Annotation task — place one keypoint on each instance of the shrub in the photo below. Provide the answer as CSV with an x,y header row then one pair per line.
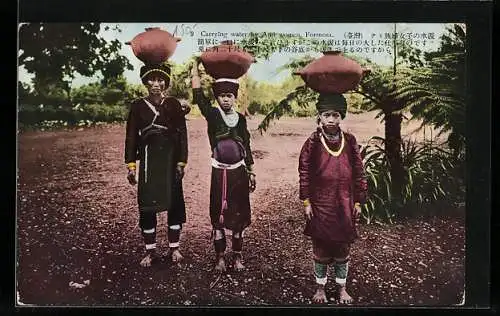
x,y
104,113
50,116
304,112
433,181
254,107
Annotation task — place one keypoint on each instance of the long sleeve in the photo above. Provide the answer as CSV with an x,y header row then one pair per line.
x,y
183,140
360,183
246,142
203,102
304,169
173,114
132,136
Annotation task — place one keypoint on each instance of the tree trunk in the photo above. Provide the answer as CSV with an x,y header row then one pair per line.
x,y
393,148
67,89
71,116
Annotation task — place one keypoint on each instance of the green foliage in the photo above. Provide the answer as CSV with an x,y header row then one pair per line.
x,y
180,83
46,93
432,88
243,100
93,102
181,80
51,116
264,95
355,103
33,115
56,52
108,113
88,94
302,96
117,91
440,90
433,181
303,111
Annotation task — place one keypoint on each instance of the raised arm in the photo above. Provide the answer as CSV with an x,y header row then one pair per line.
x,y
198,95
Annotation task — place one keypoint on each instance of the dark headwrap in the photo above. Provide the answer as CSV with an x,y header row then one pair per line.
x,y
162,70
224,85
331,101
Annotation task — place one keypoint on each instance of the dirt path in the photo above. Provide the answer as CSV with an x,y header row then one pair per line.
x,y
77,220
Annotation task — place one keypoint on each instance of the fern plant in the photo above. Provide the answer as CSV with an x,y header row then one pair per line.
x,y
432,180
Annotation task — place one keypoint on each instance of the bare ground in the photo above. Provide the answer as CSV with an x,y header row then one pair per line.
x,y
77,220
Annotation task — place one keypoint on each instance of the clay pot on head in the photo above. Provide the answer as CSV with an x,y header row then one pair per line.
x,y
226,61
332,73
154,46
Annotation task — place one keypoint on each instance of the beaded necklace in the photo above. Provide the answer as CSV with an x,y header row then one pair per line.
x,y
332,152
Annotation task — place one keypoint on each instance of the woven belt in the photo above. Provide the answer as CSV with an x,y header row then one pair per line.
x,y
221,165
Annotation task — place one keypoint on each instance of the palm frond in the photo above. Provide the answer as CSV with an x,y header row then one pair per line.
x,y
281,108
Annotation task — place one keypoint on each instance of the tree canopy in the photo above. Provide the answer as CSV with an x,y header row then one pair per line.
x,y
56,52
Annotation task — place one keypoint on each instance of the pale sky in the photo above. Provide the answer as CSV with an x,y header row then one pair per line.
x,y
265,70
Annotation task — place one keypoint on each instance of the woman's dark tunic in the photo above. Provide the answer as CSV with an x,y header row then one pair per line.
x,y
229,145
159,141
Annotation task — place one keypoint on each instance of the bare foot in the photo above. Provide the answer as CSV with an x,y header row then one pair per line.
x,y
176,256
221,265
148,260
238,264
344,297
320,296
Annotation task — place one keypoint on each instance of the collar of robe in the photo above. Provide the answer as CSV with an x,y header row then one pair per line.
x,y
333,152
152,107
231,118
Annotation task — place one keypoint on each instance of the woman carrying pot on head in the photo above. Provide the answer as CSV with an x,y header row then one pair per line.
x,y
232,175
156,135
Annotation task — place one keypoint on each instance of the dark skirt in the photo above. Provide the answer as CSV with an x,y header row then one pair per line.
x,y
326,252
237,216
158,188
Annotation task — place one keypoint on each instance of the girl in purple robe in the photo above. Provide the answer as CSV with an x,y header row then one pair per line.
x,y
332,188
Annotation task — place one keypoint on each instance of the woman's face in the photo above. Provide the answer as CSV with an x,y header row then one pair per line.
x,y
156,84
226,101
330,121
